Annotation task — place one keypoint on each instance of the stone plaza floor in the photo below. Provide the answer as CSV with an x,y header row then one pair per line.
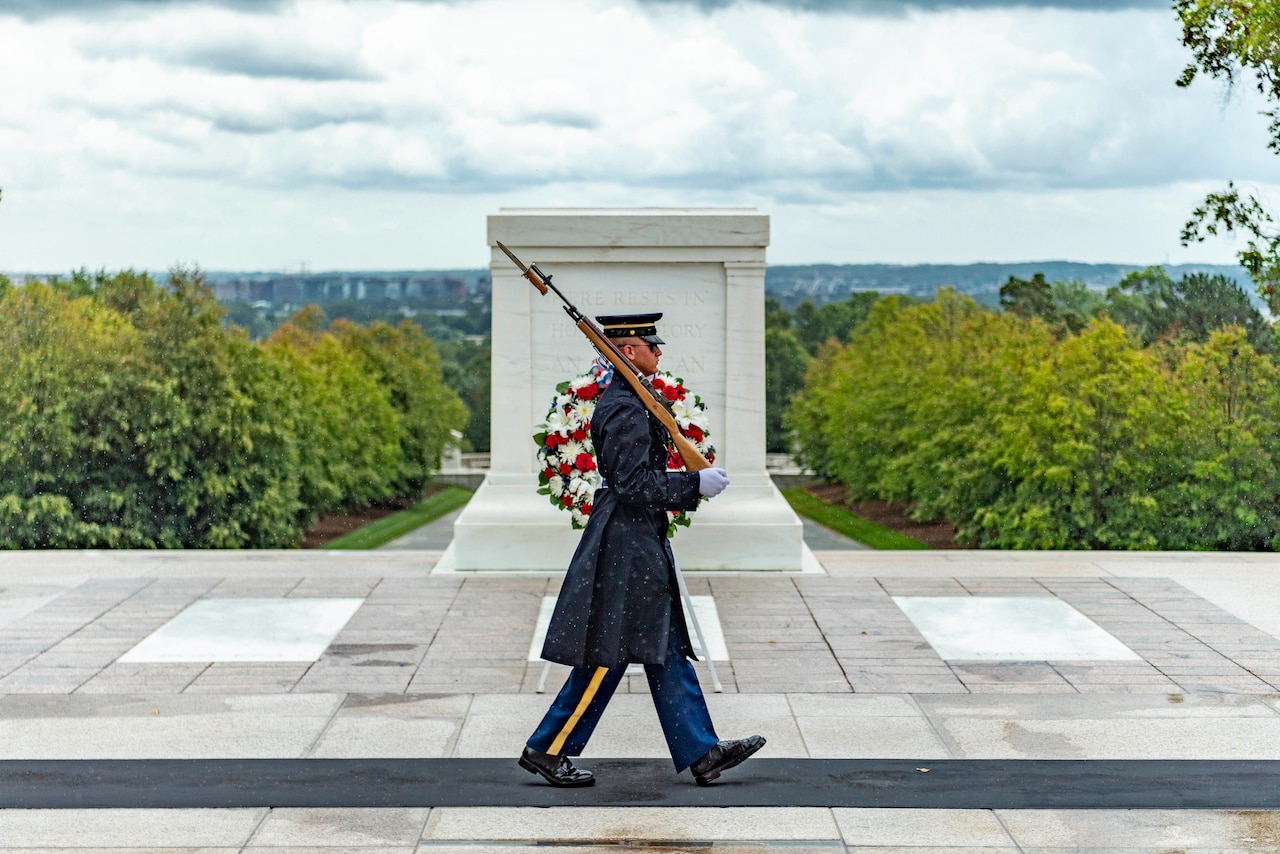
x,y
325,656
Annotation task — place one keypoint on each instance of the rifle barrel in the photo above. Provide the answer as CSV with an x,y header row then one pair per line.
x,y
656,403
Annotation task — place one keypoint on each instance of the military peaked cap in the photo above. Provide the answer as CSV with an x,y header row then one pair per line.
x,y
632,326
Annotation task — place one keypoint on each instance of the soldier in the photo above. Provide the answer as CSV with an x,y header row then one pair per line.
x,y
620,600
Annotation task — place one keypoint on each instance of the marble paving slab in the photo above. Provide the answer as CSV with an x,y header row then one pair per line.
x,y
18,603
247,630
1010,628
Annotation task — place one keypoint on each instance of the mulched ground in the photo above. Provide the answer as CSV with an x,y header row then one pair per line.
x,y
935,535
331,527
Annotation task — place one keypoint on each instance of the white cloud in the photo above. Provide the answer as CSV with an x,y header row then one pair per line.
x,y
598,102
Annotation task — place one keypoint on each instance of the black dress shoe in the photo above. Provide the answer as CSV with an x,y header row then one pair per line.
x,y
556,770
724,756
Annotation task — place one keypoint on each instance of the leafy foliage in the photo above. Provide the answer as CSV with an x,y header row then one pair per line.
x,y
466,368
1190,309
134,418
1081,449
786,361
791,340
1232,41
1065,306
460,340
1026,434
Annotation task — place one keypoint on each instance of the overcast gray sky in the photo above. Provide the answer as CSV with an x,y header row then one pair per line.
x,y
354,134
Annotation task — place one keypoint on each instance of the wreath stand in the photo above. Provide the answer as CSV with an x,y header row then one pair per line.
x,y
700,645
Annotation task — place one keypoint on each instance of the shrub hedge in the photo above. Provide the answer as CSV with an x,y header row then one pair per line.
x,y
134,418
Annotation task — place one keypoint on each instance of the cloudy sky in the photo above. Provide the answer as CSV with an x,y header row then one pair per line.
x,y
379,133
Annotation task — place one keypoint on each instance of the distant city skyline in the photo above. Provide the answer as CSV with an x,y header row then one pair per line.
x,y
378,134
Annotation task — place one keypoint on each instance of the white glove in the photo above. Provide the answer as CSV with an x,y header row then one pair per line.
x,y
711,482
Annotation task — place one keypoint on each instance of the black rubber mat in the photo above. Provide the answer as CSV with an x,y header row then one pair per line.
x,y
952,783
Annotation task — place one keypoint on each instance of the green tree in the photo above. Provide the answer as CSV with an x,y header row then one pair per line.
x,y
1232,42
815,326
1075,304
133,420
219,444
970,366
352,456
844,419
68,363
466,368
1139,302
785,363
402,360
1027,297
248,318
1087,449
1066,306
1155,306
900,411
1227,498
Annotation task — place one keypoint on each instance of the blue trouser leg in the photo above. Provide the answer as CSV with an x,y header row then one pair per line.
x,y
677,698
682,710
563,734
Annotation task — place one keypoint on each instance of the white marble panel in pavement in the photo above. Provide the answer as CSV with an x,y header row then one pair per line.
x,y
1010,628
704,608
247,630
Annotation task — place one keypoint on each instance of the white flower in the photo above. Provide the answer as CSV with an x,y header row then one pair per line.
x,y
557,422
570,413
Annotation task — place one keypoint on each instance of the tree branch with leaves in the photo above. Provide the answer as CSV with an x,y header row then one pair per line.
x,y
1234,41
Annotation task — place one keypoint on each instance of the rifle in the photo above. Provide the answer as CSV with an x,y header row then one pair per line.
x,y
653,401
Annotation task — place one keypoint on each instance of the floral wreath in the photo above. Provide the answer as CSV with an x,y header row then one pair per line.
x,y
568,474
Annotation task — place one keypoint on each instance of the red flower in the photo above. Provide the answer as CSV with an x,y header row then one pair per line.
x,y
670,392
554,439
658,383
565,468
587,391
549,472
694,432
566,500
586,509
584,462
579,434
674,460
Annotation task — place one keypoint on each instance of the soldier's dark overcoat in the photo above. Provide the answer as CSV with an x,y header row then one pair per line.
x,y
620,593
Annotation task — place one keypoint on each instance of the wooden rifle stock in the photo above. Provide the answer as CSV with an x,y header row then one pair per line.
x,y
622,367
